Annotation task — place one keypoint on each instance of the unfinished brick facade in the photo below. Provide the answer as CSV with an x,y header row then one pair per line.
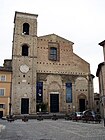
x,y
65,81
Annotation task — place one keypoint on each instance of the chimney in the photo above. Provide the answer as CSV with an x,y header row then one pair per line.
x,y
8,63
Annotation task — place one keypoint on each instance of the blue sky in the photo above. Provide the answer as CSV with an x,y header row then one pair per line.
x,y
80,21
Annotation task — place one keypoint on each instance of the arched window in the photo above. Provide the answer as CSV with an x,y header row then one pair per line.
x,y
26,28
25,50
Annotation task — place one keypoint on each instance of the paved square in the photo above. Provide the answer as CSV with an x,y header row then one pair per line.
x,y
51,130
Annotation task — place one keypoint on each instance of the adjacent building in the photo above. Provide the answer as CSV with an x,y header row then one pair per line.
x,y
101,76
46,71
5,88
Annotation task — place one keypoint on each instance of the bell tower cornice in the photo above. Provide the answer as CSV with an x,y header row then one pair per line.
x,y
25,15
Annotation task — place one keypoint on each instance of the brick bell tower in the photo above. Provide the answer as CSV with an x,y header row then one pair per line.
x,y
24,61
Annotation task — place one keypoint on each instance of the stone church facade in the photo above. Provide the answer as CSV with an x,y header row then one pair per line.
x,y
47,71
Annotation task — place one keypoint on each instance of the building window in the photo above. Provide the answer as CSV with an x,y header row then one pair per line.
x,y
53,51
2,106
3,78
25,50
98,110
26,28
97,103
1,92
68,92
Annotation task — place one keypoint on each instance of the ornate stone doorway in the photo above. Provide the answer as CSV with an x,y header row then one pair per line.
x,y
54,103
82,102
81,105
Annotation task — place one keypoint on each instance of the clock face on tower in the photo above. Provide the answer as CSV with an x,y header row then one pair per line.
x,y
24,68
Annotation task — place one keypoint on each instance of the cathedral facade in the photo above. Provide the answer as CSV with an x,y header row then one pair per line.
x,y
47,74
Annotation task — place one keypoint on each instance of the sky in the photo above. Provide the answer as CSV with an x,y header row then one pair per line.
x,y
80,21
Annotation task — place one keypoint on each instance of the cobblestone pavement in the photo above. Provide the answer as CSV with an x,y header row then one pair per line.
x,y
51,130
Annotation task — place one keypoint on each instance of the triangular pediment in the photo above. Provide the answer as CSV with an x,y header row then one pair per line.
x,y
55,38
